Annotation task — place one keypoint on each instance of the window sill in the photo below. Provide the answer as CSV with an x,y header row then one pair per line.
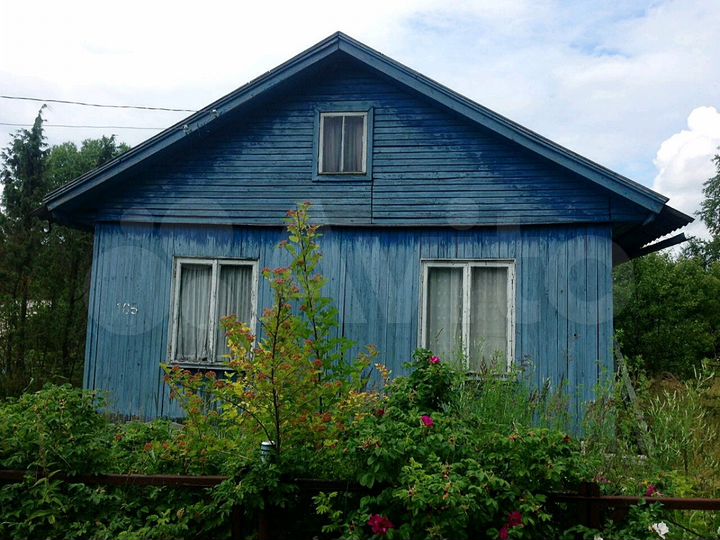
x,y
207,366
341,177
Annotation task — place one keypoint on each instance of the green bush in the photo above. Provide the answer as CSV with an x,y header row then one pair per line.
x,y
57,428
445,472
59,432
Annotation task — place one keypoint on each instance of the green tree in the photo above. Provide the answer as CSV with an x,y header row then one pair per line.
x,y
710,207
667,312
43,267
708,251
24,184
667,309
710,214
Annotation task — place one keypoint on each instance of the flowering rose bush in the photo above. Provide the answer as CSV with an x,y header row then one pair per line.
x,y
443,474
380,525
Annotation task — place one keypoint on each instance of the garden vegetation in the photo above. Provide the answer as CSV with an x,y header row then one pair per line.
x,y
441,456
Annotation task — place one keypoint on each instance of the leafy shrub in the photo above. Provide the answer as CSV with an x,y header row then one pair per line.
x,y
56,428
443,472
58,431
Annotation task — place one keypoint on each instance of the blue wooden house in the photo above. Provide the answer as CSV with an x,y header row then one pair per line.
x,y
446,225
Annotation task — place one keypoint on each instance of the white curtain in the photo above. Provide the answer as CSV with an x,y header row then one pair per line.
x,y
194,312
332,127
444,311
488,317
233,299
354,128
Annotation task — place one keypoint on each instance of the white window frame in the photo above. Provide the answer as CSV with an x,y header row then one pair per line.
x,y
467,265
214,286
344,114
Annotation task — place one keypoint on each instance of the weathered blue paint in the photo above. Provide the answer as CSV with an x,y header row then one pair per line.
x,y
447,179
563,296
429,167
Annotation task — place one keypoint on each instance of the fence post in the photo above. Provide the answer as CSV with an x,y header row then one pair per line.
x,y
236,523
264,532
592,510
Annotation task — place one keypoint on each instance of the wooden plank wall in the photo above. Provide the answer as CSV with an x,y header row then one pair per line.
x,y
563,295
429,167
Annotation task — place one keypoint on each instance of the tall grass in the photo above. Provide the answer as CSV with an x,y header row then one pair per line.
x,y
677,450
679,447
503,402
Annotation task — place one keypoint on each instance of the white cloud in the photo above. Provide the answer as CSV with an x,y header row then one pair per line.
x,y
684,163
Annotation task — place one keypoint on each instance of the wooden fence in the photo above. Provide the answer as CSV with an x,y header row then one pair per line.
x,y
172,481
593,508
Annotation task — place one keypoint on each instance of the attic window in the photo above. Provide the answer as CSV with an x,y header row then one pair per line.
x,y
343,143
206,290
468,312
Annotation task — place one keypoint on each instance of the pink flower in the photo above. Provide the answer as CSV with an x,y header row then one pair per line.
x,y
428,421
600,479
514,519
504,533
435,360
380,525
652,491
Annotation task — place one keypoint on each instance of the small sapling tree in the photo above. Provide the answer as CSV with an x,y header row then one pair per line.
x,y
288,385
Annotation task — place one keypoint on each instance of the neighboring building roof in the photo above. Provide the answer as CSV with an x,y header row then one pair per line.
x,y
662,220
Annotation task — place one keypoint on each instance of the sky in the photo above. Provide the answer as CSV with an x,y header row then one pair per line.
x,y
633,85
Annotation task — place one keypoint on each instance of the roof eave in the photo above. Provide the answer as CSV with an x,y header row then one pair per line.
x,y
534,142
638,240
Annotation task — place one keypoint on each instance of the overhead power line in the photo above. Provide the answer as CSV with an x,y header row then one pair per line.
x,y
79,126
100,105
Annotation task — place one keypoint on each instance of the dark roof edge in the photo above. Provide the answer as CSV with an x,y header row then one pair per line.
x,y
657,246
656,226
616,183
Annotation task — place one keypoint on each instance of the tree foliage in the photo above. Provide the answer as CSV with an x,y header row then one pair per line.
x,y
667,309
292,377
43,267
710,207
668,312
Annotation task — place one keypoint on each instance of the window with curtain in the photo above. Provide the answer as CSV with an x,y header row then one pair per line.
x,y
468,312
206,290
343,143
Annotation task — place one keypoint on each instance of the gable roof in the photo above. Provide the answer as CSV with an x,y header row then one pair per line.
x,y
339,43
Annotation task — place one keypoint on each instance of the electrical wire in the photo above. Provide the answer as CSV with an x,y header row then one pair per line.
x,y
100,105
80,126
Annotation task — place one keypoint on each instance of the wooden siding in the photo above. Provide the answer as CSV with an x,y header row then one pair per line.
x,y
563,296
429,166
